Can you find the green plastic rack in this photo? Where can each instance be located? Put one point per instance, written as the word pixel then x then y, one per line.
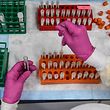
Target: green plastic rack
pixel 10 23
pixel 3 62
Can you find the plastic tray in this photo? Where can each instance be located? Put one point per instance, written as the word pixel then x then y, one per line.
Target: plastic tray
pixel 3 62
pixel 10 8
pixel 67 71
pixel 63 18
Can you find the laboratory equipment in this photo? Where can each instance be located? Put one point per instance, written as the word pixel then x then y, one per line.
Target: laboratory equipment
pixel 3 62
pixel 12 17
pixel 66 69
pixel 54 13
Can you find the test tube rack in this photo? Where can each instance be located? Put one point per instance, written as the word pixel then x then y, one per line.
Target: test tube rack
pixel 10 23
pixel 3 62
pixel 51 15
pixel 75 71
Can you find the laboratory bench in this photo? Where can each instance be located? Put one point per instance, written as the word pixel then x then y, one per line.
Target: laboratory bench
pixel 34 91
pixel 76 92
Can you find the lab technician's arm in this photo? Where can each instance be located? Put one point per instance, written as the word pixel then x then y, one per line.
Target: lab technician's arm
pixel 14 85
pixel 76 38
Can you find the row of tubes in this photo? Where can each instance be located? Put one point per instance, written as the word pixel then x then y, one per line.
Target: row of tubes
pixel 73 75
pixel 65 12
pixel 49 5
pixel 51 55
pixel 62 64
pixel 78 21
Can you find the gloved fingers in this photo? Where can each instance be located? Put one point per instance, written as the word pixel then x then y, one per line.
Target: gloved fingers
pixel 17 70
pixel 32 68
pixel 60 34
pixel 72 28
pixel 61 29
pixel 20 66
pixel 67 37
pixel 24 76
pixel 83 27
pixel 63 41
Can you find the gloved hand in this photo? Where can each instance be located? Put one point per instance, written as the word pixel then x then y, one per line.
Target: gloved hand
pixel 15 80
pixel 76 37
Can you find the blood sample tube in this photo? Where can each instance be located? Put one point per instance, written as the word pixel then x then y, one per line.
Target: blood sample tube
pixel 43 65
pixel 89 21
pixel 79 75
pixel 74 20
pixel 42 21
pixel 97 75
pixel 67 64
pixel 55 65
pixel 47 21
pixel 61 64
pixel 91 75
pixel 57 21
pixel 52 12
pixel 42 12
pixel 47 12
pixel 73 64
pixel 73 12
pixel 49 75
pixel 57 12
pixel 52 21
pixel 44 75
pixel 56 76
pixel 73 75
pixel 49 64
pixel 26 63
pixel 85 75
pixel 63 12
pixel 62 75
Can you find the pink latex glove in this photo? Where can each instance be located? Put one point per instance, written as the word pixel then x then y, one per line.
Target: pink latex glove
pixel 15 80
pixel 76 37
